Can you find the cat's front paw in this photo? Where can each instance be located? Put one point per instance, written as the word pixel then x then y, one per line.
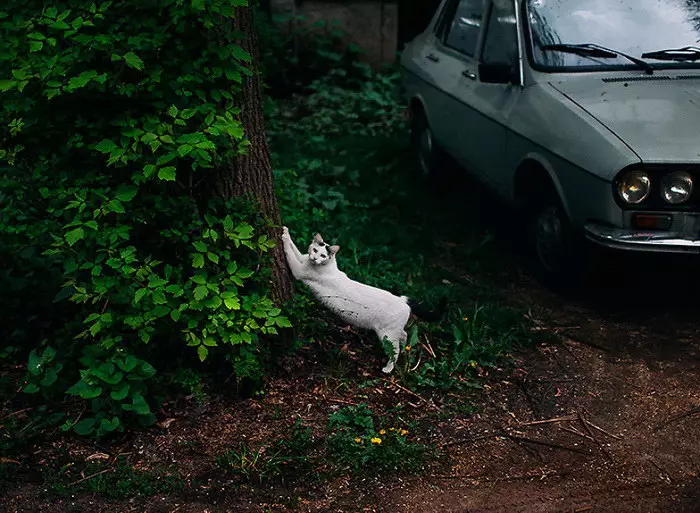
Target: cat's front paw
pixel 285 233
pixel 388 368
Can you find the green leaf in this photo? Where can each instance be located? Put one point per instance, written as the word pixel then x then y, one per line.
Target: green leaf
pixel 167 173
pixel 200 246
pixel 175 315
pixel 85 426
pixel 283 322
pixel 126 193
pixel 228 224
pixel 6 85
pixel 213 257
pixel 232 303
pixel 31 388
pixel 60 25
pixel 198 5
pixel 210 342
pixel 140 293
pixel 35 46
pixel 108 426
pixel 134 61
pixel 172 111
pixel 203 352
pixel 106 146
pixel 201 292
pixel 121 392
pixel 74 236
pixel 198 260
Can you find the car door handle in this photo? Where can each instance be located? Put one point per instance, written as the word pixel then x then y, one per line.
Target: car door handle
pixel 433 57
pixel 469 74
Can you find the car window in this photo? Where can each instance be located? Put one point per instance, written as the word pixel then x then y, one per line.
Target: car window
pixel 464 27
pixel 501 44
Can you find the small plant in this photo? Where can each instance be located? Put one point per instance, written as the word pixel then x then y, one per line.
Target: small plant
pixel 479 342
pixel 355 441
pixel 251 464
pixel 285 458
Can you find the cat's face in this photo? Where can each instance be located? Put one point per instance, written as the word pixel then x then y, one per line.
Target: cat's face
pixel 321 253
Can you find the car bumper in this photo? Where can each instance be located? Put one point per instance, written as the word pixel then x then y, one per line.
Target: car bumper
pixel 638 240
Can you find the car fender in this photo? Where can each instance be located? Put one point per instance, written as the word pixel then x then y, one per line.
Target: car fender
pixel 544 163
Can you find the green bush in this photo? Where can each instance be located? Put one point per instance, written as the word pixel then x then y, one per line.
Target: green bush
pixel 115 119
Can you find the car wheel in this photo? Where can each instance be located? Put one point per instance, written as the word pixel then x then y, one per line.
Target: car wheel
pixel 557 253
pixel 432 161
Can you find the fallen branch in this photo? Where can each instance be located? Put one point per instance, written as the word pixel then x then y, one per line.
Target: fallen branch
pixel 602 430
pixel 590 432
pixel 8 460
pixel 548 421
pixel 576 432
pixel 341 401
pixel 547 444
pixel 90 476
pixel 689 413
pixel 15 413
pixel 411 392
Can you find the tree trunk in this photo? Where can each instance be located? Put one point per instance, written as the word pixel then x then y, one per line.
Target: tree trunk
pixel 250 175
pixel 413 18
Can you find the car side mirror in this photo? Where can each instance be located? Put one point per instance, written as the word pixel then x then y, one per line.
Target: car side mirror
pixel 499 74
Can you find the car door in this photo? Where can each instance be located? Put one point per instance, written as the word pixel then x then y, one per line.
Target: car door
pixel 457 42
pixel 493 103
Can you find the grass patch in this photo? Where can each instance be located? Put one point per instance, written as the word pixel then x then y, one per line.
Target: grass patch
pixel 118 481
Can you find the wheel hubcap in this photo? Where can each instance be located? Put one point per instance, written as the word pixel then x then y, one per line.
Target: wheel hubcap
pixel 550 239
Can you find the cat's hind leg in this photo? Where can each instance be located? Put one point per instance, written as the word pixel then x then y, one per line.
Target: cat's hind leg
pixel 397 338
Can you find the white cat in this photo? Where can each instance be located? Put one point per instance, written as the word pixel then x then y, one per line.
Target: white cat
pixel 361 305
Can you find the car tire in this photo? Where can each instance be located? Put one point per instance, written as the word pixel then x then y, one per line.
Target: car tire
pixel 560 258
pixel 432 163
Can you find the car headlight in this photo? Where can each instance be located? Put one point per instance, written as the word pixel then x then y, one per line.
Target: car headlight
pixel 676 187
pixel 634 187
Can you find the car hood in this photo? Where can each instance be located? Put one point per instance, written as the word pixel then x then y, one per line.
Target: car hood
pixel 658 118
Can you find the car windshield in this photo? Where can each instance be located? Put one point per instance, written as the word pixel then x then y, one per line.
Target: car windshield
pixel 632 27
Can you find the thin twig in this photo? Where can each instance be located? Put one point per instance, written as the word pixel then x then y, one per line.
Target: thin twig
pixel 18 412
pixel 590 432
pixel 341 401
pixel 91 476
pixel 411 392
pixel 602 430
pixel 548 421
pixel 547 444
pixel 692 411
pixel 576 432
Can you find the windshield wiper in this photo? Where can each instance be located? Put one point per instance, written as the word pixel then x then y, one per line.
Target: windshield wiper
pixel 593 50
pixel 688 53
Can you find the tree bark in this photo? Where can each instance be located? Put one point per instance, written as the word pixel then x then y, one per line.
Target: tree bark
pixel 250 174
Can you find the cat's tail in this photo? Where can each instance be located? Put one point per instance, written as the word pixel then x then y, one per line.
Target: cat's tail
pixel 424 313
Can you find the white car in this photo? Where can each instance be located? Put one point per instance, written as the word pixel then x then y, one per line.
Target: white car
pixel 583 114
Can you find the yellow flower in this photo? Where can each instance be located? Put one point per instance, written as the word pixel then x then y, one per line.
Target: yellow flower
pixel 382 432
pixel 358 440
pixel 376 441
pixel 407 348
pixel 466 318
pixel 392 429
pixel 403 432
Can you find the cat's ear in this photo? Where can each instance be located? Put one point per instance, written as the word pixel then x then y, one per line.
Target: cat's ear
pixel 333 249
pixel 318 239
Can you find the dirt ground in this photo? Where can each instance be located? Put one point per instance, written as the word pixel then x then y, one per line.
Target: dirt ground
pixel 592 423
